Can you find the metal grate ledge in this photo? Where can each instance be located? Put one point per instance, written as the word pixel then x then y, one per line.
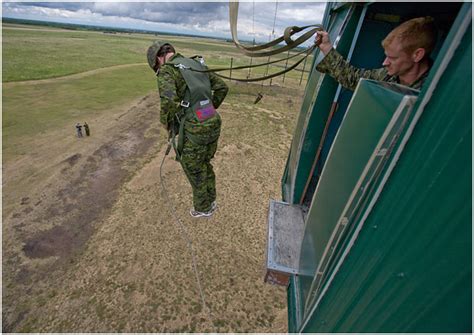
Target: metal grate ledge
pixel 285 234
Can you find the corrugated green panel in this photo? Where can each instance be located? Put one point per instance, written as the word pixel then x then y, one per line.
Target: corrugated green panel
pixel 410 269
pixel 321 108
pixel 292 308
pixel 367 118
pixel 314 113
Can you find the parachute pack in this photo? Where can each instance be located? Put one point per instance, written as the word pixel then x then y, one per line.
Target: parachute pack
pixel 197 106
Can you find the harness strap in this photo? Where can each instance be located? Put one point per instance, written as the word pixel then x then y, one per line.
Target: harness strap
pixel 306 52
pixel 254 50
pixel 172 140
pixel 181 136
pixel 273 74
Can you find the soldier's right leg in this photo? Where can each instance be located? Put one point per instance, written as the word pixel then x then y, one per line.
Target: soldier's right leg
pixel 211 177
pixel 193 160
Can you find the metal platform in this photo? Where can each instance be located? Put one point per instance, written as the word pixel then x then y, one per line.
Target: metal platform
pixel 285 234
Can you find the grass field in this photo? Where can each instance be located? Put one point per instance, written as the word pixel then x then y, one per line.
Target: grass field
pixel 89 244
pixel 70 52
pixel 34 54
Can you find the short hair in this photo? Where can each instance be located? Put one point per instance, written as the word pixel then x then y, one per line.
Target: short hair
pixel 165 49
pixel 413 34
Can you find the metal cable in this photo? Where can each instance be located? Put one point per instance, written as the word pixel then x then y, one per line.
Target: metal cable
pixel 184 235
pixel 274 20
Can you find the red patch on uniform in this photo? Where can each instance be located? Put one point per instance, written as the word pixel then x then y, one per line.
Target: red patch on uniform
pixel 205 113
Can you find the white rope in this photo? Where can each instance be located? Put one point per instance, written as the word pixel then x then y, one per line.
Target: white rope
pixel 184 236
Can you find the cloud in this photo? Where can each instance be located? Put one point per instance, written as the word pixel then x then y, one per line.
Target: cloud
pixel 256 19
pixel 168 12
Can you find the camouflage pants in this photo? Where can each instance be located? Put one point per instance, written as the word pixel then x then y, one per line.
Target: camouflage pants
pixel 196 163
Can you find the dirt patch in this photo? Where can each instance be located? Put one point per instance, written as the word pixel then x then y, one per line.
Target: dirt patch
pixel 85 198
pixel 72 160
pixel 65 215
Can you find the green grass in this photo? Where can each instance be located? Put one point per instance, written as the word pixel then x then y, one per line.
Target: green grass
pixel 39 54
pixel 31 109
pixel 30 54
pixel 31 106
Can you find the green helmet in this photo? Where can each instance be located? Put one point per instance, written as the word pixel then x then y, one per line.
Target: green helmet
pixel 153 51
pixel 151 54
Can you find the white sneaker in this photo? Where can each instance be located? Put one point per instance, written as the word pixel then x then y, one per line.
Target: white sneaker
pixel 196 214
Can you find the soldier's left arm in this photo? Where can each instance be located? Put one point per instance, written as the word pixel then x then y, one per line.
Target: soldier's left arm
pixel 169 99
pixel 219 88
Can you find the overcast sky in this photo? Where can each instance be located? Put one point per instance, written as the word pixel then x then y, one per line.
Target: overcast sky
pixel 202 18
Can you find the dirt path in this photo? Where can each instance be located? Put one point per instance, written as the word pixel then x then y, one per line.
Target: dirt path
pixel 50 226
pixel 69 77
pixel 98 249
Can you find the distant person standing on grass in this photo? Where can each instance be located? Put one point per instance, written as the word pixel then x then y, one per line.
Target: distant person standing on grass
pixel 86 128
pixel 189 100
pixel 79 129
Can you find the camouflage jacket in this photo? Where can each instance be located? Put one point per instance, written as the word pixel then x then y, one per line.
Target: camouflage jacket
pixel 172 87
pixel 348 76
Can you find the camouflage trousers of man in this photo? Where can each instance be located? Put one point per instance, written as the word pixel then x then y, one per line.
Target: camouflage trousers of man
pixel 196 163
